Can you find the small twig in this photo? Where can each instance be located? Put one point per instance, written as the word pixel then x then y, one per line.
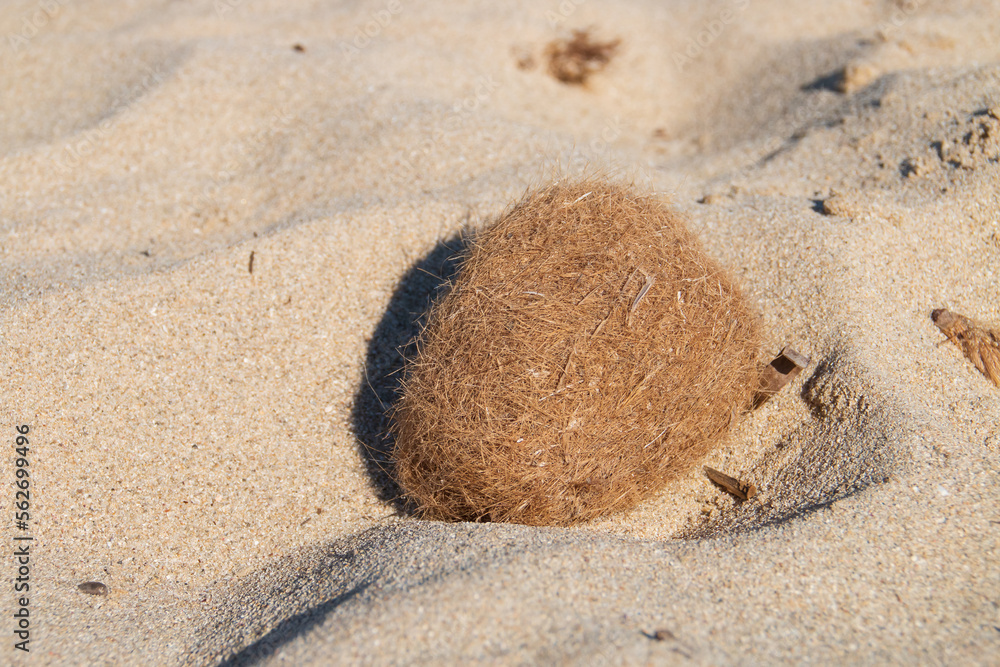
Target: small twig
pixel 564 376
pixel 731 484
pixel 250 263
pixel 660 435
pixel 635 303
pixel 601 325
pixel 782 370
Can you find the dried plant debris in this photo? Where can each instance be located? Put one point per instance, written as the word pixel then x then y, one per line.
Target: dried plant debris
pixel 980 343
pixel 588 354
pixel 523 57
pixel 731 484
pixel 576 59
pixel 783 369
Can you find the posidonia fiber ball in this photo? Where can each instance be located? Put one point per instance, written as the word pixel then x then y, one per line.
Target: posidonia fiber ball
pixel 588 353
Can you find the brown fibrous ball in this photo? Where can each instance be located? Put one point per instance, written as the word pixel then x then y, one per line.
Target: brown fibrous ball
pixel 588 353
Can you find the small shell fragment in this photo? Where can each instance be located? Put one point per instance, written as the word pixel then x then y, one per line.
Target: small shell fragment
pixel 93 588
pixel 979 343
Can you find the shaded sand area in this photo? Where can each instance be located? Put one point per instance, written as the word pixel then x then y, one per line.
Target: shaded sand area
pixel 219 225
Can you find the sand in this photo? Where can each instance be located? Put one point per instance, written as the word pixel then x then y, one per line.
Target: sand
pixel 205 438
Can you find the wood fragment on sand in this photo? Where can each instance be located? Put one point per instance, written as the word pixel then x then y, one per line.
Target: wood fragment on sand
pixel 783 369
pixel 978 342
pixel 731 484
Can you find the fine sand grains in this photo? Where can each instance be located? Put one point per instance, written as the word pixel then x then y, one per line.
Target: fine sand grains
pixel 588 353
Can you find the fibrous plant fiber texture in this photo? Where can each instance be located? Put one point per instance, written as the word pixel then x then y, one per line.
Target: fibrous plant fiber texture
pixel 587 353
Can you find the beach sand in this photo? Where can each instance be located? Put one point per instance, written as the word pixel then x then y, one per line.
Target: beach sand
pixel 219 226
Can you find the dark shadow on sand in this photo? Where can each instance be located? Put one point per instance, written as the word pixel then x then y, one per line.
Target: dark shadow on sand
pixel 392 341
pixel 831 81
pixel 296 626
